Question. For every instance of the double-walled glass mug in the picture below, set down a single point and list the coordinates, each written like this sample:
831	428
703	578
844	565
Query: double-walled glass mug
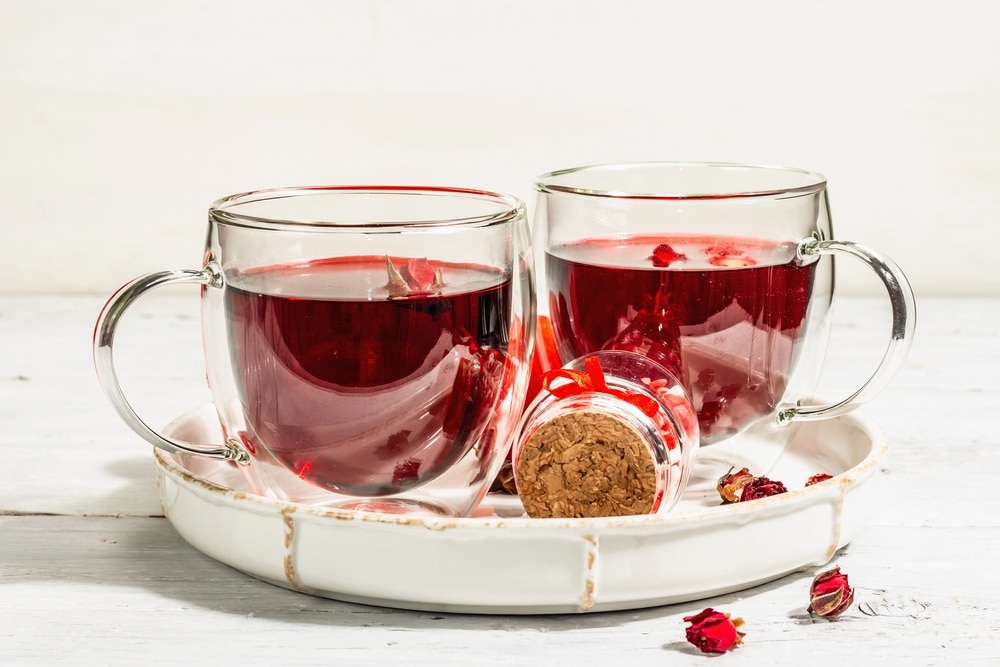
365	347
722	272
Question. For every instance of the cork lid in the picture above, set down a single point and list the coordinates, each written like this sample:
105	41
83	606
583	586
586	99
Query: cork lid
586	463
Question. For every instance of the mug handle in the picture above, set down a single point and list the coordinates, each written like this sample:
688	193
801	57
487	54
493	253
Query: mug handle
904	311
104	338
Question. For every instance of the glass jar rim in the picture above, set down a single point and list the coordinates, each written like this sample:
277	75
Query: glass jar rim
355	211
673	181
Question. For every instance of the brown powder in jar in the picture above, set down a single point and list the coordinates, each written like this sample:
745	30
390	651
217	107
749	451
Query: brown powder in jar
586	464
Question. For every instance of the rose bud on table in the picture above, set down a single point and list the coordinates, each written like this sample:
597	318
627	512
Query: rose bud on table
714	631
830	594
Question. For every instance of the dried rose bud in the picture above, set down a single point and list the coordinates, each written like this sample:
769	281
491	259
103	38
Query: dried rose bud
504	481
830	594
731	485
761	487
714	631
817	478
663	255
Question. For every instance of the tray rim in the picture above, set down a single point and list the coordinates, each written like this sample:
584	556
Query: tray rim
837	486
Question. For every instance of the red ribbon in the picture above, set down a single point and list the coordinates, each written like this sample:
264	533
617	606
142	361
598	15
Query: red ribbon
593	380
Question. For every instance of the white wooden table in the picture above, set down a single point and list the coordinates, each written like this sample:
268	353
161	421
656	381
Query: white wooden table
91	572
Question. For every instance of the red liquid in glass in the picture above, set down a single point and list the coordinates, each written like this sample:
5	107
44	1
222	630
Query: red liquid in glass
362	393
728	316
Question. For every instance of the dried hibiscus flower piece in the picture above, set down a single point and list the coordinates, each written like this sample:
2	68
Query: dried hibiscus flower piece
723	249
730	485
420	275
761	487
714	631
728	254
730	261
663	255
817	478
397	284
830	594
405	471
417	276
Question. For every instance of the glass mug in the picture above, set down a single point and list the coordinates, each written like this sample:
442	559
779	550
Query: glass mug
366	347
721	272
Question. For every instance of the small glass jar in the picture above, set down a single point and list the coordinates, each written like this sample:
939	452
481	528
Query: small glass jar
612	433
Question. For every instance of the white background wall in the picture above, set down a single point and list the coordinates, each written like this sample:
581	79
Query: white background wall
120	121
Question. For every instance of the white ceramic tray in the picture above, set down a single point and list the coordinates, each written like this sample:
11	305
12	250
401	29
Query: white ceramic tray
501	562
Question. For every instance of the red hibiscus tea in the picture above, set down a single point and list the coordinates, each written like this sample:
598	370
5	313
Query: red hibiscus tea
727	314
364	384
